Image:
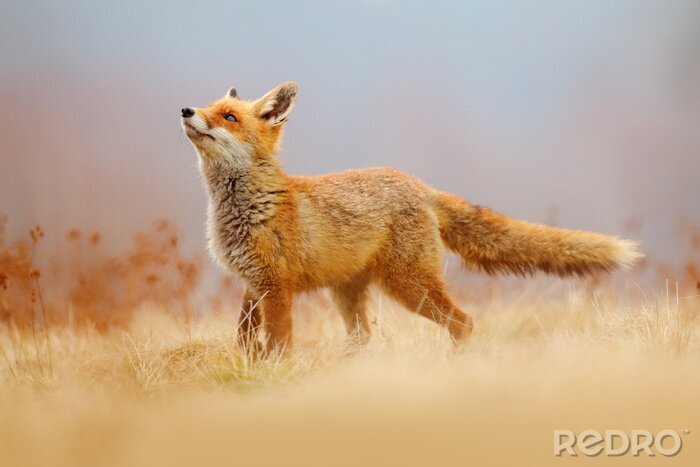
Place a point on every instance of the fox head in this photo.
(235, 132)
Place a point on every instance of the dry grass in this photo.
(163, 393)
(164, 384)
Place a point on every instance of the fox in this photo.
(285, 234)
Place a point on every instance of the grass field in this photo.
(156, 383)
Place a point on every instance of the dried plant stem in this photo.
(45, 321)
(10, 367)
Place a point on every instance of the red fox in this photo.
(285, 234)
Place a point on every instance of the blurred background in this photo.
(582, 114)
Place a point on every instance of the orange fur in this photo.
(286, 234)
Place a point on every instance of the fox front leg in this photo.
(277, 310)
(249, 323)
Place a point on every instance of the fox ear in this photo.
(275, 106)
(232, 93)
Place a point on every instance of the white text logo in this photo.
(617, 443)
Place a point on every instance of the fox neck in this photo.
(247, 195)
(240, 200)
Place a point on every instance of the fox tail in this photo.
(495, 243)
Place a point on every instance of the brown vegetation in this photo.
(91, 287)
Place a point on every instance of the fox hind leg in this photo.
(426, 296)
(351, 299)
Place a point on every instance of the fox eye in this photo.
(230, 118)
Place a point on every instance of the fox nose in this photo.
(187, 112)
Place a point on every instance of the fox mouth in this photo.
(194, 132)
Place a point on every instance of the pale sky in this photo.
(592, 108)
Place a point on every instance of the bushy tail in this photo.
(495, 243)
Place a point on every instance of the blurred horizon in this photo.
(582, 114)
